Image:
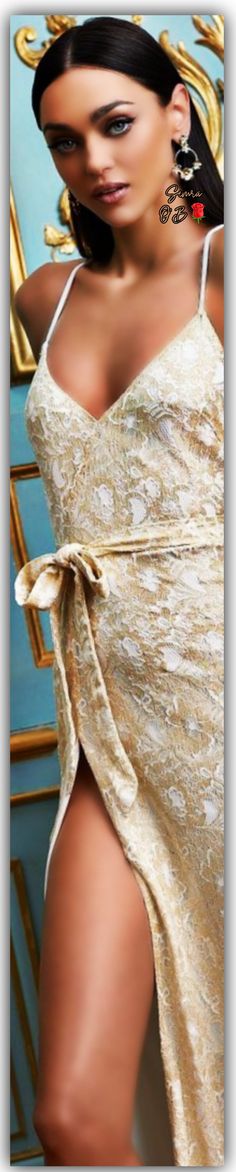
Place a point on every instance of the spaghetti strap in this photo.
(70, 279)
(62, 299)
(204, 267)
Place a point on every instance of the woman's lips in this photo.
(113, 196)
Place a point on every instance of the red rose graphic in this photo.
(198, 211)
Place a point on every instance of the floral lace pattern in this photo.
(135, 595)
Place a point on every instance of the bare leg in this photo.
(131, 1160)
(96, 988)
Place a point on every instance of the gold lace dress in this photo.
(135, 595)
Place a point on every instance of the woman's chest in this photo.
(98, 348)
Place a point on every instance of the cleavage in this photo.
(127, 348)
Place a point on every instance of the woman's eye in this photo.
(122, 121)
(57, 146)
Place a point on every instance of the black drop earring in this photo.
(185, 167)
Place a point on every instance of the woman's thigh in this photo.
(96, 965)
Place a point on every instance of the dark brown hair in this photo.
(119, 44)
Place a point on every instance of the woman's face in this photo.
(130, 143)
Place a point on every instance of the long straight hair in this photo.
(113, 43)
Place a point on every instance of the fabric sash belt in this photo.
(55, 582)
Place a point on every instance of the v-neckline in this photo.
(145, 369)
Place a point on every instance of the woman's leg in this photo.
(96, 988)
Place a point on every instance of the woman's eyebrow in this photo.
(93, 117)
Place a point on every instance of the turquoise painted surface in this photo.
(31, 823)
(35, 774)
(32, 701)
(37, 188)
(21, 451)
(23, 1163)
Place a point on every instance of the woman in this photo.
(125, 412)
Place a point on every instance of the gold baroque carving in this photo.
(23, 362)
(195, 76)
(65, 241)
(22, 359)
(55, 24)
(213, 37)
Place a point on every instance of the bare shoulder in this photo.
(36, 299)
(216, 249)
(46, 277)
(215, 290)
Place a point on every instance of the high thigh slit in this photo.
(135, 597)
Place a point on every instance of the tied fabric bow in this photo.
(39, 582)
(55, 582)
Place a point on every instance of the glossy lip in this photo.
(108, 190)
